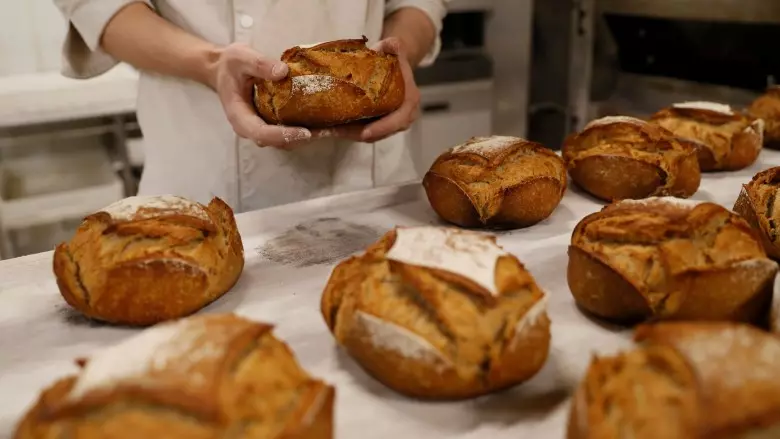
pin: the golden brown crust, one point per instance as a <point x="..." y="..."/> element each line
<point x="161" y="264"/>
<point x="617" y="158"/>
<point x="201" y="377"/>
<point x="496" y="181"/>
<point x="330" y="84"/>
<point x="433" y="333"/>
<point x="767" y="108"/>
<point x="685" y="381"/>
<point x="725" y="142"/>
<point x="667" y="258"/>
<point x="756" y="203"/>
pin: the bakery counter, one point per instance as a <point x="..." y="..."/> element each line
<point x="290" y="252"/>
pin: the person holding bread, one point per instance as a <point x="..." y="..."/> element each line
<point x="200" y="62"/>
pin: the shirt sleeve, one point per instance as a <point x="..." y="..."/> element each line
<point x="82" y="55"/>
<point x="435" y="9"/>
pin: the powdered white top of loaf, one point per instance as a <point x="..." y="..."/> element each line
<point x="485" y="145"/>
<point x="703" y="105"/>
<point x="672" y="201"/>
<point x="609" y="120"/>
<point x="734" y="355"/>
<point x="171" y="347"/>
<point x="153" y="206"/>
<point x="395" y="338"/>
<point x="312" y="84"/>
<point x="468" y="254"/>
<point x="757" y="127"/>
<point x="309" y="46"/>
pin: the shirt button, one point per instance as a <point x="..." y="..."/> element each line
<point x="247" y="21"/>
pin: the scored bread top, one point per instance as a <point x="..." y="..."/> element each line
<point x="736" y="366"/>
<point x="707" y="106"/>
<point x="650" y="243"/>
<point x="187" y="353"/>
<point x="469" y="254"/>
<point x="487" y="147"/>
<point x="147" y="207"/>
<point x="609" y="120"/>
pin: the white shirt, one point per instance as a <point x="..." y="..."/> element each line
<point x="191" y="149"/>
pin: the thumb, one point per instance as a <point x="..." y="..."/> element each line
<point x="252" y="63"/>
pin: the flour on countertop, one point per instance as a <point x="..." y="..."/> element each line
<point x="176" y="346"/>
<point x="483" y="145"/>
<point x="469" y="254"/>
<point x="312" y="84"/>
<point x="708" y="106"/>
<point x="609" y="120"/>
<point x="128" y="208"/>
<point x="392" y="337"/>
<point x="320" y="241"/>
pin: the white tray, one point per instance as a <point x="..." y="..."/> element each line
<point x="282" y="285"/>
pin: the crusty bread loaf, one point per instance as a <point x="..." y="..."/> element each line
<point x="685" y="381"/>
<point x="210" y="376"/>
<point x="619" y="157"/>
<point x="767" y="108"/>
<point x="439" y="313"/>
<point x="669" y="258"/>
<point x="143" y="260"/>
<point x="756" y="203"/>
<point x="725" y="140"/>
<point x="330" y="84"/>
<point x="496" y="181"/>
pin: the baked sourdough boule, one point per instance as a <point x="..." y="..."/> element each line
<point x="757" y="204"/>
<point x="620" y="157"/>
<point x="439" y="313"/>
<point x="143" y="260"/>
<point x="210" y="376"/>
<point x="684" y="381"/>
<point x="669" y="258"/>
<point x="724" y="139"/>
<point x="767" y="108"/>
<point x="496" y="181"/>
<point x="331" y="84"/>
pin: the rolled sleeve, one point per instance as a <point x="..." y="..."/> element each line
<point x="82" y="55"/>
<point x="434" y="9"/>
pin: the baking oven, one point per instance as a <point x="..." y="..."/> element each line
<point x="634" y="57"/>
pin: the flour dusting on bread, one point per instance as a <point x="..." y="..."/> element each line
<point x="484" y="145"/>
<point x="609" y="120"/>
<point x="468" y="254"/>
<point x="389" y="336"/>
<point x="758" y="127"/>
<point x="170" y="347"/>
<point x="145" y="207"/>
<point x="672" y="201"/>
<point x="312" y="84"/>
<point x="532" y="316"/>
<point x="707" y="106"/>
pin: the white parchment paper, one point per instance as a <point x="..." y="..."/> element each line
<point x="290" y="253"/>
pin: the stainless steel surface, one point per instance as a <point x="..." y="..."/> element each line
<point x="509" y="32"/>
<point x="580" y="63"/>
<point x="751" y="11"/>
<point x="470" y="5"/>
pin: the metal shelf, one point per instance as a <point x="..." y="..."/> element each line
<point x="747" y="11"/>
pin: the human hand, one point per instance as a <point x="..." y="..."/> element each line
<point x="237" y="69"/>
<point x="399" y="120"/>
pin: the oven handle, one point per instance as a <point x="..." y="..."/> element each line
<point x="436" y="107"/>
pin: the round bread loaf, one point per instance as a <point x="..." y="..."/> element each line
<point x="143" y="260"/>
<point x="685" y="381"/>
<point x="620" y="157"/>
<point x="756" y="203"/>
<point x="669" y="258"/>
<point x="724" y="139"/>
<point x="330" y="84"/>
<point x="767" y="108"/>
<point x="210" y="376"/>
<point x="439" y="313"/>
<point x="496" y="181"/>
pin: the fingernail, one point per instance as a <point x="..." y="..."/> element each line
<point x="366" y="134"/>
<point x="279" y="70"/>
